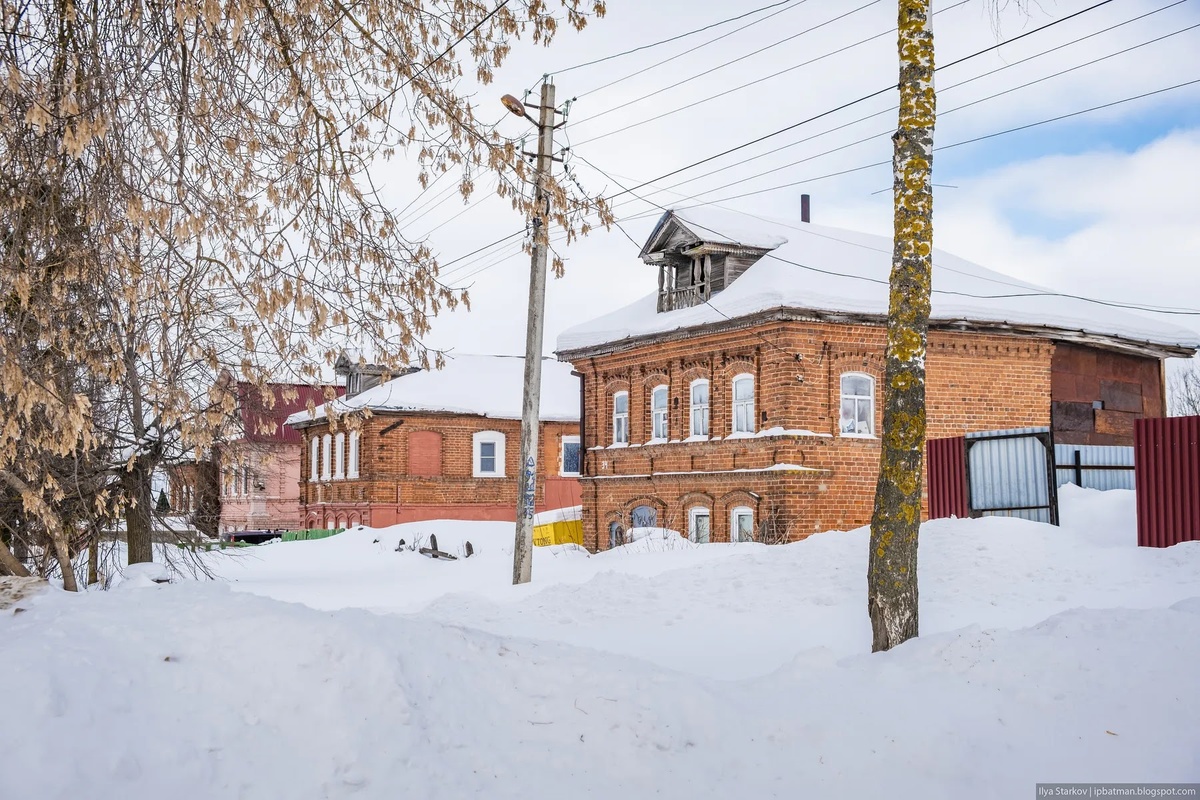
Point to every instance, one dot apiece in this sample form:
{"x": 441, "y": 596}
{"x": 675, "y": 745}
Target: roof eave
{"x": 792, "y": 314}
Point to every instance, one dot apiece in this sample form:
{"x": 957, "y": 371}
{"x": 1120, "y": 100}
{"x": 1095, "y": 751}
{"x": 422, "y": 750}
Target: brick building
{"x": 741, "y": 399}
{"x": 438, "y": 444}
{"x": 259, "y": 468}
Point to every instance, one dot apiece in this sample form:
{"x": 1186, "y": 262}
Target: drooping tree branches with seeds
{"x": 186, "y": 187}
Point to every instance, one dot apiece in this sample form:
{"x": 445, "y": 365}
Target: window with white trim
{"x": 352, "y": 462}
{"x": 743, "y": 404}
{"x": 699, "y": 525}
{"x": 620, "y": 425}
{"x": 741, "y": 524}
{"x": 488, "y": 454}
{"x": 326, "y": 455}
{"x": 699, "y": 415}
{"x": 314, "y": 459}
{"x": 339, "y": 456}
{"x": 857, "y": 417}
{"x": 658, "y": 412}
{"x": 569, "y": 457}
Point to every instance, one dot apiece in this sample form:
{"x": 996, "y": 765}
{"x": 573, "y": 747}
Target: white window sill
{"x": 741, "y": 435}
{"x": 858, "y": 436}
{"x": 568, "y": 474}
{"x": 617, "y": 445}
{"x": 697, "y": 437}
{"x": 656, "y": 441}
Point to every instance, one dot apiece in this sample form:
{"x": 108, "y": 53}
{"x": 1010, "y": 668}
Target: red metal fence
{"x": 1167, "y": 476}
{"x": 947, "y": 467}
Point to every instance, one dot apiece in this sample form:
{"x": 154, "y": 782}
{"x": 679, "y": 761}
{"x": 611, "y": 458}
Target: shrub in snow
{"x": 149, "y": 574}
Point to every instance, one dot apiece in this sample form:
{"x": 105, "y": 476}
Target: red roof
{"x": 265, "y": 425}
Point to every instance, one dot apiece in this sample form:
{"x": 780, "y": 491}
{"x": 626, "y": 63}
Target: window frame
{"x": 693, "y": 513}
{"x": 660, "y": 414}
{"x": 623, "y": 416}
{"x": 734, "y": 513}
{"x": 352, "y": 461}
{"x": 842, "y": 397}
{"x": 339, "y": 456}
{"x": 693, "y": 407}
{"x": 567, "y": 439}
{"x": 314, "y": 459}
{"x": 733, "y": 421}
{"x": 478, "y": 439}
{"x": 326, "y": 456}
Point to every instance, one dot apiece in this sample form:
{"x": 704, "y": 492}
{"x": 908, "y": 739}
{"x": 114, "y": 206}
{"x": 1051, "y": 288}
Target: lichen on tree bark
{"x": 895, "y": 523}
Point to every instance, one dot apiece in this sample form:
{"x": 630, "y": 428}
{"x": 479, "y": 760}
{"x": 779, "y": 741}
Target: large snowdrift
{"x": 716, "y": 671}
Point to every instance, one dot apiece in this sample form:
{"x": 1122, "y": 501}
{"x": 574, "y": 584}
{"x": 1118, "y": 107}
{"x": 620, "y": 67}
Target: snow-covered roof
{"x": 489, "y": 386}
{"x": 834, "y": 271}
{"x": 717, "y": 225}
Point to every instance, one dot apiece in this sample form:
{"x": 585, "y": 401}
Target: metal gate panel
{"x": 1167, "y": 458}
{"x": 1011, "y": 473}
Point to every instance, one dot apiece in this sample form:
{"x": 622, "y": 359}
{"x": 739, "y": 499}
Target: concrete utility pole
{"x": 523, "y": 545}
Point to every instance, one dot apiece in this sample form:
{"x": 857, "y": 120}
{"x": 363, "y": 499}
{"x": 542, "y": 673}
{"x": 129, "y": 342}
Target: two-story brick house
{"x": 438, "y": 444}
{"x": 742, "y": 398}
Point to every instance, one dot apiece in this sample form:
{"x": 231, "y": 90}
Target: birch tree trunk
{"x": 895, "y": 524}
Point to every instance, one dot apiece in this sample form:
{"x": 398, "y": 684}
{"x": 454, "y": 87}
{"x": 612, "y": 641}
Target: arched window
{"x": 488, "y": 457}
{"x": 339, "y": 456}
{"x": 352, "y": 465}
{"x": 616, "y": 535}
{"x": 621, "y": 418}
{"x": 743, "y": 404}
{"x": 658, "y": 412}
{"x": 643, "y": 517}
{"x": 699, "y": 525}
{"x": 326, "y": 455}
{"x": 857, "y": 416}
{"x": 314, "y": 459}
{"x": 741, "y": 524}
{"x": 699, "y": 426}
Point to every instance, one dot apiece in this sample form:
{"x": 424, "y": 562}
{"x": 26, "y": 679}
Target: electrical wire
{"x": 711, "y": 70}
{"x": 676, "y": 38}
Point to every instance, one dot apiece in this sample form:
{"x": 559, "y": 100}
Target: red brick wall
{"x": 974, "y": 382}
{"x": 405, "y": 477}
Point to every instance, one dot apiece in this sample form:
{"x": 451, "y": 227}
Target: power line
{"x": 711, "y": 70}
{"x": 881, "y": 134}
{"x": 655, "y": 65}
{"x": 671, "y": 39}
{"x": 864, "y": 98}
{"x": 754, "y": 82}
{"x": 893, "y": 108}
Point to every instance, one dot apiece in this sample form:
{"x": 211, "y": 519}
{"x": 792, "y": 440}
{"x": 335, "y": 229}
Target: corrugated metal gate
{"x": 994, "y": 473}
{"x": 1010, "y": 473}
{"x": 1167, "y": 459}
{"x": 946, "y": 464}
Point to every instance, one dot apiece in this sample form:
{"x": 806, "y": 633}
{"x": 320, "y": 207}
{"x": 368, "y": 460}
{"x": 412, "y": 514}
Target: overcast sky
{"x": 1103, "y": 204}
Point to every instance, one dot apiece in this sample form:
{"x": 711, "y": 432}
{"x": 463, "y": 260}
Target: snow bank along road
{"x": 657, "y": 670}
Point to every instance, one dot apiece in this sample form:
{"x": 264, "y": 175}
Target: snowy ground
{"x": 659, "y": 669}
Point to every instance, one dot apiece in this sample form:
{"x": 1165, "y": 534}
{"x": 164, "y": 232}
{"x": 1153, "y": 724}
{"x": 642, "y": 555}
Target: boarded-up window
{"x": 425, "y": 454}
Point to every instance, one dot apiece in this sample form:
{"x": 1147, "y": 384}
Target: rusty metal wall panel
{"x": 947, "y": 470}
{"x": 1167, "y": 462}
{"x": 1111, "y": 466}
